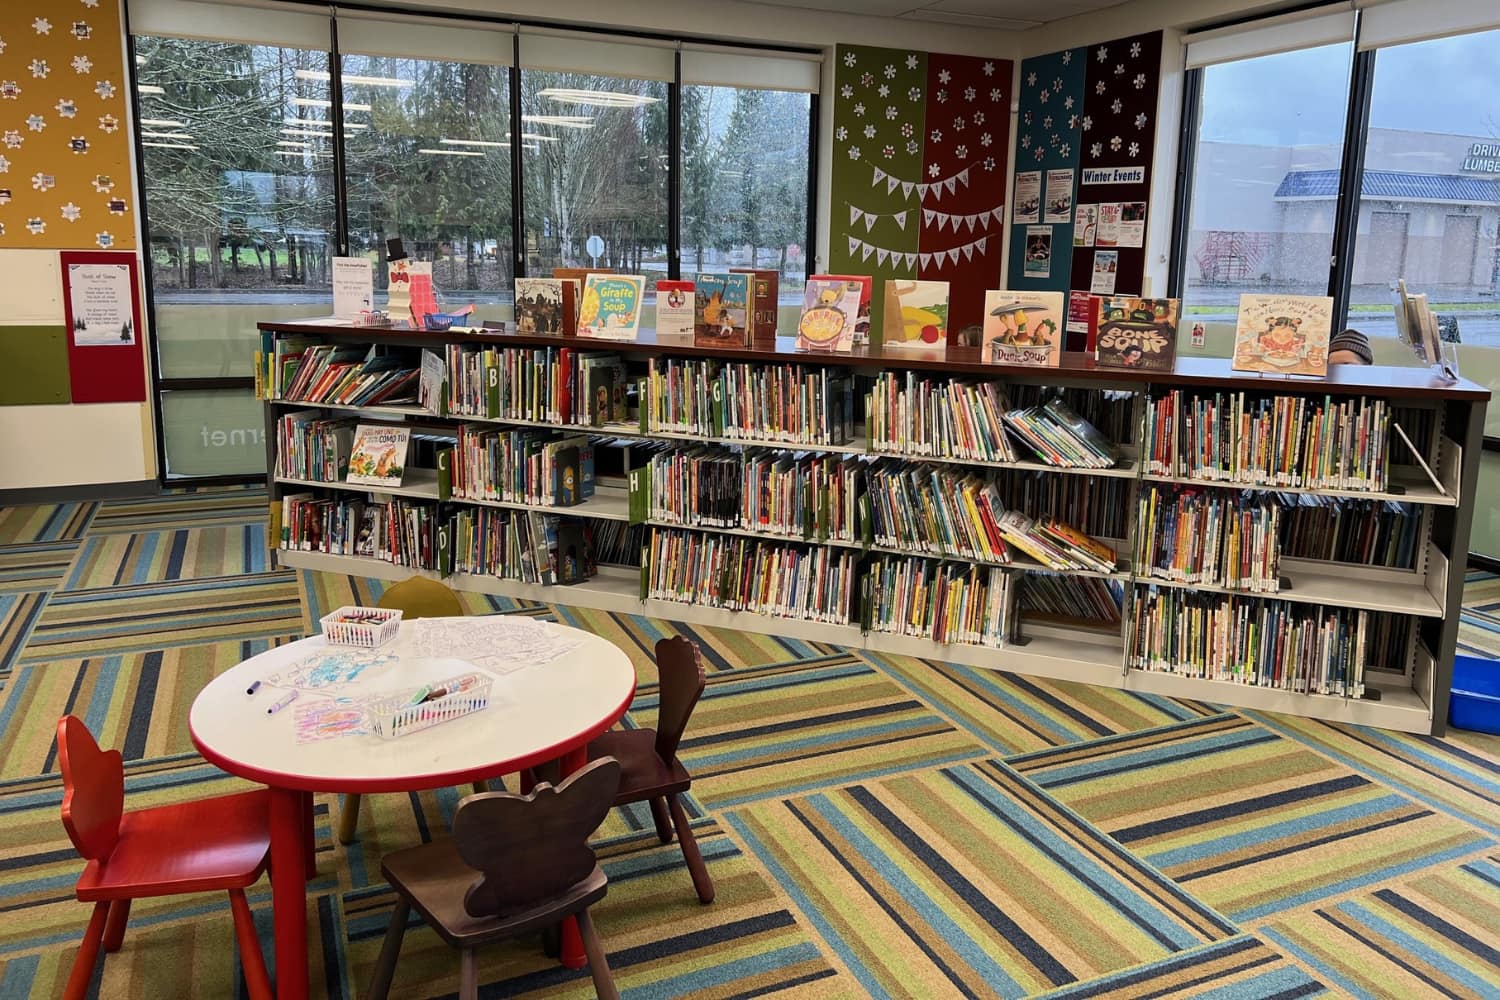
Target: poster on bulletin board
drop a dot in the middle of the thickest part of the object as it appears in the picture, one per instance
(102, 308)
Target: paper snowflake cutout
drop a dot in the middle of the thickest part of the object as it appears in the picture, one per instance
(1103, 53)
(1057, 84)
(989, 163)
(866, 79)
(969, 93)
(848, 58)
(1072, 121)
(889, 151)
(859, 110)
(985, 140)
(988, 69)
(82, 64)
(36, 122)
(66, 108)
(962, 152)
(9, 90)
(42, 26)
(90, 3)
(79, 145)
(911, 147)
(1087, 123)
(1135, 50)
(1140, 81)
(1026, 118)
(1047, 122)
(1025, 142)
(891, 114)
(841, 133)
(1119, 69)
(942, 97)
(853, 152)
(39, 69)
(932, 170)
(71, 212)
(1039, 153)
(958, 124)
(1095, 150)
(1031, 79)
(43, 182)
(1099, 87)
(979, 118)
(1044, 95)
(13, 139)
(1067, 57)
(1134, 149)
(906, 130)
(869, 131)
(995, 94)
(846, 91)
(36, 226)
(911, 62)
(1068, 103)
(936, 135)
(890, 71)
(1115, 142)
(884, 91)
(1116, 106)
(103, 183)
(2, 46)
(81, 30)
(104, 89)
(105, 240)
(4, 165)
(1140, 120)
(1064, 149)
(944, 76)
(1053, 140)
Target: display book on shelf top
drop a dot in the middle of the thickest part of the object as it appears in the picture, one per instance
(1420, 592)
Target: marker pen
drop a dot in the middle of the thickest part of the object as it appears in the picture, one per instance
(283, 702)
(253, 688)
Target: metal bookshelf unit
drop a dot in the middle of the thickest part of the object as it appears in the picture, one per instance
(1410, 696)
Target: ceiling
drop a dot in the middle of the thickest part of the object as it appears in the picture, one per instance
(1005, 15)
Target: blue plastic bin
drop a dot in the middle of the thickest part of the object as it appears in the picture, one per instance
(1475, 701)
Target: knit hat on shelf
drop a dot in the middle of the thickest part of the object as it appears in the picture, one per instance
(1354, 342)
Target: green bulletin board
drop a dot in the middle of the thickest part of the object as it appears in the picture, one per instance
(36, 365)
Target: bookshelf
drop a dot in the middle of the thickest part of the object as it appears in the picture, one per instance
(1405, 686)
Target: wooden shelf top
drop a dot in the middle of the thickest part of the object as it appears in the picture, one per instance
(1189, 372)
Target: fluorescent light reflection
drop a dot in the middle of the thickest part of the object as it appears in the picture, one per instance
(473, 142)
(168, 145)
(596, 98)
(449, 152)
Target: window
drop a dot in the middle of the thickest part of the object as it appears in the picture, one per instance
(742, 210)
(1265, 181)
(212, 432)
(595, 159)
(427, 158)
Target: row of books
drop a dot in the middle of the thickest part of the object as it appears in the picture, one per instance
(527, 465)
(1210, 537)
(1367, 532)
(1073, 600)
(1293, 441)
(308, 446)
(398, 531)
(529, 546)
(787, 403)
(742, 574)
(353, 375)
(552, 385)
(1250, 640)
(941, 601)
(1097, 505)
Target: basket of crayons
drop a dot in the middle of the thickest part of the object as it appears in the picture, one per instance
(352, 625)
(428, 706)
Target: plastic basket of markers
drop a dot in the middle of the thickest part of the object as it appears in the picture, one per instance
(443, 701)
(353, 625)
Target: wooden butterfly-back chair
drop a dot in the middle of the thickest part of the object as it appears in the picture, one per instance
(515, 864)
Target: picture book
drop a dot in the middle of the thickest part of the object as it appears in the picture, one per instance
(1286, 334)
(547, 306)
(675, 308)
(1022, 328)
(764, 297)
(866, 288)
(830, 310)
(611, 306)
(1136, 333)
(722, 313)
(916, 315)
(378, 457)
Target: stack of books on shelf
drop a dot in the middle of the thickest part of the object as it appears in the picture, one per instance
(936, 510)
(787, 403)
(914, 414)
(312, 448)
(1056, 546)
(1060, 437)
(529, 465)
(350, 375)
(801, 495)
(947, 602)
(1366, 532)
(398, 531)
(1096, 505)
(1089, 601)
(554, 385)
(743, 574)
(698, 486)
(529, 546)
(1210, 537)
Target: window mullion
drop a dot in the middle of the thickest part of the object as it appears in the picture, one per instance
(1351, 181)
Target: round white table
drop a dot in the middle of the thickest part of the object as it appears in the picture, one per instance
(567, 688)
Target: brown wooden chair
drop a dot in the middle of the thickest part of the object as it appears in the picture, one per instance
(515, 864)
(415, 597)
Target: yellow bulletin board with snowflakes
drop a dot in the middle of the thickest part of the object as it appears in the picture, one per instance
(64, 136)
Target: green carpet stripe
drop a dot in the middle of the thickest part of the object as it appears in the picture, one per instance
(44, 522)
(35, 567)
(1242, 968)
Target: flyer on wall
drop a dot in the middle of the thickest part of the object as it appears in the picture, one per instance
(1106, 263)
(1108, 233)
(1059, 196)
(101, 302)
(1028, 201)
(1080, 312)
(353, 286)
(1087, 226)
(1133, 224)
(1038, 262)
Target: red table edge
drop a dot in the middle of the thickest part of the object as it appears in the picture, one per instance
(278, 779)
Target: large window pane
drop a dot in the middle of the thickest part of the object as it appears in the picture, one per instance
(1430, 199)
(595, 160)
(213, 432)
(428, 150)
(1265, 183)
(239, 195)
(744, 182)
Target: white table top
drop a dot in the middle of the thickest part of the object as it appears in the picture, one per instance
(554, 688)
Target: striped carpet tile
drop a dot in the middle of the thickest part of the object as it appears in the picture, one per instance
(47, 522)
(1248, 821)
(777, 729)
(154, 556)
(144, 617)
(1446, 774)
(324, 593)
(38, 566)
(1241, 968)
(187, 508)
(19, 614)
(1432, 935)
(952, 882)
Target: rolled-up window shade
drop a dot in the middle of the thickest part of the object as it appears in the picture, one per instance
(418, 38)
(574, 53)
(1397, 22)
(720, 66)
(1270, 36)
(255, 23)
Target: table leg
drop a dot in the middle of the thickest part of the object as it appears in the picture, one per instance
(573, 954)
(310, 836)
(289, 891)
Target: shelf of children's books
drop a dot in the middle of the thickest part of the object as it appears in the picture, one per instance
(1411, 488)
(374, 411)
(608, 503)
(1398, 707)
(1310, 581)
(416, 484)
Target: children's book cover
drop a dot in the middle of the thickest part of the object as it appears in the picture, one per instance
(1137, 333)
(916, 315)
(1287, 334)
(765, 291)
(611, 306)
(675, 308)
(866, 292)
(1022, 328)
(545, 306)
(830, 310)
(378, 457)
(722, 312)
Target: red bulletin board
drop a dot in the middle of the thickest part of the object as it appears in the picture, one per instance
(105, 365)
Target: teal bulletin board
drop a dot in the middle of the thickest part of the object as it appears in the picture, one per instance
(36, 365)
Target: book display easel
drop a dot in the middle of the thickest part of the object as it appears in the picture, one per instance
(1260, 541)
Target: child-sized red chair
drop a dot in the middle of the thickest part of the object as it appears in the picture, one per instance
(209, 844)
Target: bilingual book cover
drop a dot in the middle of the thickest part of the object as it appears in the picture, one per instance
(1286, 334)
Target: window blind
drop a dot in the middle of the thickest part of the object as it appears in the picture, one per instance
(1398, 22)
(406, 37)
(571, 52)
(1270, 36)
(722, 66)
(255, 23)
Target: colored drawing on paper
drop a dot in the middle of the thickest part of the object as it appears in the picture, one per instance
(327, 720)
(331, 669)
(499, 643)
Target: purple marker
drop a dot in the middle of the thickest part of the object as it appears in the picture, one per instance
(285, 700)
(253, 688)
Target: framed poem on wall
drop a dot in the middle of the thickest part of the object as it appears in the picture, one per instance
(102, 307)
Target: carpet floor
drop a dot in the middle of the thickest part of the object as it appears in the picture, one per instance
(875, 825)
